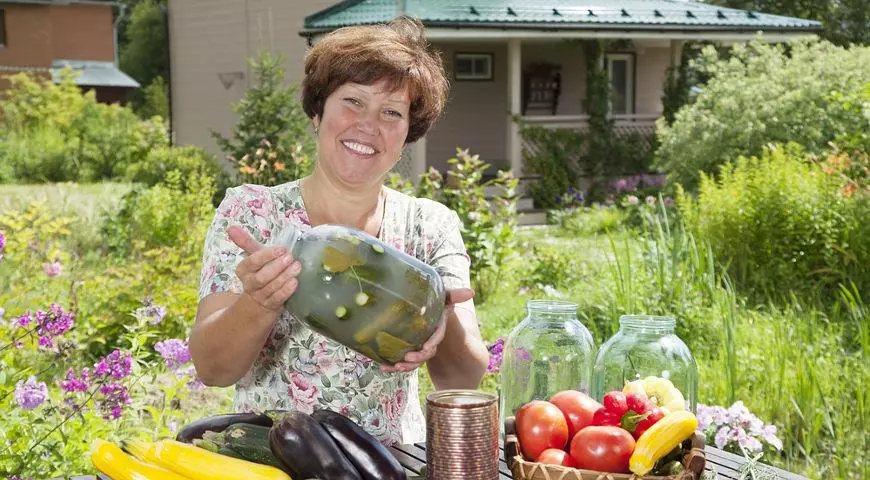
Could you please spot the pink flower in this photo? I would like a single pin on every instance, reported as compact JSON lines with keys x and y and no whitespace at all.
{"x":297,"y":215}
{"x":52,"y":269}
{"x":232,"y":211}
{"x":632,"y":200}
{"x":323,"y":360}
{"x":394,"y":406}
{"x":302,"y":393}
{"x":650,"y":200}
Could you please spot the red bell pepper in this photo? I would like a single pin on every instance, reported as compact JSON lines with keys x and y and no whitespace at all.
{"x":633,"y":412}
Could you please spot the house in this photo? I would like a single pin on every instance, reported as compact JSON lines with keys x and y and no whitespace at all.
{"x":45,"y":36}
{"x":505,"y":59}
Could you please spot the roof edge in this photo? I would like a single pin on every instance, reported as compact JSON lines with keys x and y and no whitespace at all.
{"x":344,"y":5}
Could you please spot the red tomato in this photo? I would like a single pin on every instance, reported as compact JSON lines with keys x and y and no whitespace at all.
{"x":577,"y":407}
{"x":540,"y":425}
{"x":554,"y":456}
{"x":606,"y":449}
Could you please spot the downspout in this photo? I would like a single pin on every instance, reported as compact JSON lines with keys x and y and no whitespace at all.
{"x":121,"y":14}
{"x":168,"y":75}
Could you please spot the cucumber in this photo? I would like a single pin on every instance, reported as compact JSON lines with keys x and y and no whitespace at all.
{"x":219,"y":423}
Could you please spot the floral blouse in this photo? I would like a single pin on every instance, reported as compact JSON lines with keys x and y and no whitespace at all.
{"x":299,"y":369}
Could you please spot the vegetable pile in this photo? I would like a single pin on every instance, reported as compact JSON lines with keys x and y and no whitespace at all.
{"x":637,"y":430}
{"x":275,"y":445}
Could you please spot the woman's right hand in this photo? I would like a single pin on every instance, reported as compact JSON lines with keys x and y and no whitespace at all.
{"x":268,"y":274}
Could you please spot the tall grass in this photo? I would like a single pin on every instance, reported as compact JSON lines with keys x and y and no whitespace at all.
{"x":799,"y":364}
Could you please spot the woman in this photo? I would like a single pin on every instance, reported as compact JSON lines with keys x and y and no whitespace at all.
{"x":369,"y":91}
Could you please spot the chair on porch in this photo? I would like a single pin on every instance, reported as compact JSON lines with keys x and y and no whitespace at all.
{"x":542,"y":84}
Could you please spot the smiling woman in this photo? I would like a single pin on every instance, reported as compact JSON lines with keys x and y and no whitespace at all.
{"x":369,"y":91}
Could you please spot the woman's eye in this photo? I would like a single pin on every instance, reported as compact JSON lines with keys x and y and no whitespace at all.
{"x":394,"y":113}
{"x":354,"y":101}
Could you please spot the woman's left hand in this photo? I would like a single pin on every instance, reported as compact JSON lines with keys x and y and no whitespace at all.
{"x":413,"y":360}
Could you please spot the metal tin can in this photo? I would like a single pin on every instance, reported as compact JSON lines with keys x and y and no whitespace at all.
{"x":462,"y":434}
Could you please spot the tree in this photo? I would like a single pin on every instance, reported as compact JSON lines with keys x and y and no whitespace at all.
{"x":144,"y":55}
{"x":844,"y":21}
{"x":271,"y":143}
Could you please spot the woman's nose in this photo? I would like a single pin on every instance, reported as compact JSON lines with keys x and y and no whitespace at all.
{"x":367,"y":122}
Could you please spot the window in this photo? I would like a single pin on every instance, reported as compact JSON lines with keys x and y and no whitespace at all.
{"x":472,"y":66}
{"x":620,"y":72}
{"x":2,"y":28}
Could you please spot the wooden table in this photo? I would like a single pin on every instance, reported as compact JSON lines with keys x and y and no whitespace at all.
{"x":726,"y":465}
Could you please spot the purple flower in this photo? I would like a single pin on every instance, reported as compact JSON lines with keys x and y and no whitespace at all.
{"x":2,"y":240}
{"x":722,"y":437}
{"x":52,"y":324}
{"x":52,"y":269}
{"x":116,"y":365}
{"x":669,"y":202}
{"x":495,"y":356}
{"x":76,"y":383}
{"x":174,"y":351}
{"x":156,"y":313}
{"x":114,"y":398}
{"x":24,"y":320}
{"x":189,"y":372}
{"x":737,"y":428}
{"x":30,"y":394}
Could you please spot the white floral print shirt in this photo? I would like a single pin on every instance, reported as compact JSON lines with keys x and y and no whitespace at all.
{"x":299,"y":369}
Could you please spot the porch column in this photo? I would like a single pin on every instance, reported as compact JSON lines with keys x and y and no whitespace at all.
{"x":418,"y":158}
{"x":514,"y":90}
{"x":676,"y":52}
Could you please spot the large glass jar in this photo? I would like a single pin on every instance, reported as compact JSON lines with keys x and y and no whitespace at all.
{"x":646,"y":355}
{"x":363,"y":293}
{"x":548,"y":351}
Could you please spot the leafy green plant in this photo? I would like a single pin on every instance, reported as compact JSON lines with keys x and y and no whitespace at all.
{"x":761,"y":94}
{"x":270,"y":144}
{"x":780,"y":224}
{"x":488,"y":222}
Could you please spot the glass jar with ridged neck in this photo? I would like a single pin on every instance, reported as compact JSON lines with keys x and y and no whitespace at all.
{"x":547,"y":352}
{"x":646,"y":355}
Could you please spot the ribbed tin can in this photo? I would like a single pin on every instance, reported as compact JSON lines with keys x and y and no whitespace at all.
{"x":461,"y":435}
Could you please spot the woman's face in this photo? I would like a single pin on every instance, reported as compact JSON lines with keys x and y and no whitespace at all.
{"x":362,"y":132}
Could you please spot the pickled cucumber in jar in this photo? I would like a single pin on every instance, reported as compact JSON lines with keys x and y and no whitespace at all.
{"x":363,"y":293}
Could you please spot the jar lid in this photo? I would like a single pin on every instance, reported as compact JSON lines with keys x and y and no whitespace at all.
{"x":460,"y":398}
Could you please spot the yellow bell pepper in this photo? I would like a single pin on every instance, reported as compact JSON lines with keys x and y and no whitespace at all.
{"x":660,"y":390}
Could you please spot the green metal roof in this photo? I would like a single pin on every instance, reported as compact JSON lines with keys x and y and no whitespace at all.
{"x":622,"y":14}
{"x":94,"y":73}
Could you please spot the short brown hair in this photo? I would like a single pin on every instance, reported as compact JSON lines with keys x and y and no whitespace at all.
{"x":397,"y":52}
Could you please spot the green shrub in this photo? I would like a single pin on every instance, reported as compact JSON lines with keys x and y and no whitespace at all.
{"x":488,"y":223}
{"x":764,"y":94}
{"x":169,"y":214}
{"x":779,"y":223}
{"x":582,"y":221}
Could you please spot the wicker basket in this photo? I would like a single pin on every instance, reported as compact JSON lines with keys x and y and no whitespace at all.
{"x":693,"y":462}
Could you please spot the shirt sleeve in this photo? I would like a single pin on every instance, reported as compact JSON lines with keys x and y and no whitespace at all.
{"x":445,"y":249}
{"x":246,"y":206}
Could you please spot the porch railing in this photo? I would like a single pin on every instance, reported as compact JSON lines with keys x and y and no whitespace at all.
{"x":637,"y":125}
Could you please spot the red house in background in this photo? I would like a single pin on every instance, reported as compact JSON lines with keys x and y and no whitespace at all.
{"x":44,"y":36}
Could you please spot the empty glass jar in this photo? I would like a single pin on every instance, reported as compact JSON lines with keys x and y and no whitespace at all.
{"x":549,"y":351}
{"x":363,"y":293}
{"x":645,"y":354}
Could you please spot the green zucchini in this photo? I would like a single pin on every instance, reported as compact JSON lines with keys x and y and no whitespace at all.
{"x":248,"y":442}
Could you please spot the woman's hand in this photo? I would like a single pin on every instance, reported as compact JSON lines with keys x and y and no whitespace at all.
{"x":413,"y":360}
{"x":268,"y":274}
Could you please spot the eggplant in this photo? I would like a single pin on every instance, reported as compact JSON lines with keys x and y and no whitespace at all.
{"x":219,"y":423}
{"x":368,"y":455}
{"x":302,"y":445}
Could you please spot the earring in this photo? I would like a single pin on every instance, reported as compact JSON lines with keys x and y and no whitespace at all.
{"x":316,"y":130}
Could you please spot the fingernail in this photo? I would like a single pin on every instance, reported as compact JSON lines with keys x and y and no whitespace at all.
{"x":280,"y":251}
{"x":296,"y":268}
{"x":286,"y":260}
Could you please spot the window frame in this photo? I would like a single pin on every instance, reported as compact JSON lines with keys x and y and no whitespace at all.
{"x":474,"y":76}
{"x":2,"y":27}
{"x":631,"y":89}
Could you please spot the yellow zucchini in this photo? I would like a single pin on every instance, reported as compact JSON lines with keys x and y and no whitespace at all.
{"x":660,"y":439}
{"x":112,"y":461}
{"x":199,"y":464}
